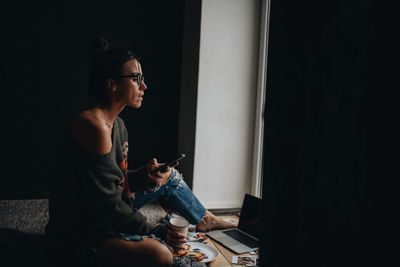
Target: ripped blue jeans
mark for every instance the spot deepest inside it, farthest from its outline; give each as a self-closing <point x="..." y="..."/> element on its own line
<point x="176" y="195"/>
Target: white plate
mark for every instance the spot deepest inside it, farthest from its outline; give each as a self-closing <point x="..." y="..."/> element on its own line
<point x="211" y="253"/>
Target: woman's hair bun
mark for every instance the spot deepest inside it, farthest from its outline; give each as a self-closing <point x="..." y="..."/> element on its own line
<point x="98" y="47"/>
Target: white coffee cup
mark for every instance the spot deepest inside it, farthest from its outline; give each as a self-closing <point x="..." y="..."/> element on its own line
<point x="179" y="224"/>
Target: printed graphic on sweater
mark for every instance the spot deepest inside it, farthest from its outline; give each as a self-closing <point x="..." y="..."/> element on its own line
<point x="124" y="163"/>
<point x="126" y="194"/>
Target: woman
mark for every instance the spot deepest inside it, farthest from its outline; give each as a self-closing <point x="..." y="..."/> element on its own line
<point x="93" y="208"/>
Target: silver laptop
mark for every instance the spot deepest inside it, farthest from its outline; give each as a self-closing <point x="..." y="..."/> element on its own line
<point x="246" y="237"/>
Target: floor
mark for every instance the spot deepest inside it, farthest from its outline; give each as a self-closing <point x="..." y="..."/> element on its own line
<point x="30" y="216"/>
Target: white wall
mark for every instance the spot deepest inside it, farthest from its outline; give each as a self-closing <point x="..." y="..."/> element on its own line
<point x="227" y="84"/>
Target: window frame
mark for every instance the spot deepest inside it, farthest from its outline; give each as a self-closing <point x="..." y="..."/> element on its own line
<point x="257" y="168"/>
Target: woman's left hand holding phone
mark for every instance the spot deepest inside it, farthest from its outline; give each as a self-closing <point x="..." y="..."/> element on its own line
<point x="159" y="177"/>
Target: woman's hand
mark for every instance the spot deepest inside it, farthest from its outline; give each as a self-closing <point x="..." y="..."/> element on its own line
<point x="160" y="178"/>
<point x="175" y="239"/>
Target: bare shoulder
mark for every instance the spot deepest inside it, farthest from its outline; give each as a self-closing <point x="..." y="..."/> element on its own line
<point x="89" y="129"/>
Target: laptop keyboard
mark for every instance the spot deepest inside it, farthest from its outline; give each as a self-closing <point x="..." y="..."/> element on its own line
<point x="248" y="241"/>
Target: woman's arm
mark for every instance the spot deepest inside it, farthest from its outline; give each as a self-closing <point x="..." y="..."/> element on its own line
<point x="101" y="183"/>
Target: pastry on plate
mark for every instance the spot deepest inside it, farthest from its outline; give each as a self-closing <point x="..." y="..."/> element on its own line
<point x="199" y="256"/>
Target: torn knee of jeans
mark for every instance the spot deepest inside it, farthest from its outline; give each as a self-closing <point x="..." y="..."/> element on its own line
<point x="181" y="183"/>
<point x="152" y="187"/>
<point x="176" y="177"/>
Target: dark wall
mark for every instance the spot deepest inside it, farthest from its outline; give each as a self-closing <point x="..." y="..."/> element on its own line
<point x="43" y="64"/>
<point x="327" y="133"/>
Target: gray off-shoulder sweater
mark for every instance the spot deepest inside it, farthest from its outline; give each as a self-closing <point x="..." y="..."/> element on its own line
<point x="91" y="195"/>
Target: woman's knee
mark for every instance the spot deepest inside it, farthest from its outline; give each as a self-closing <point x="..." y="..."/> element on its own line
<point x="148" y="252"/>
<point x="159" y="253"/>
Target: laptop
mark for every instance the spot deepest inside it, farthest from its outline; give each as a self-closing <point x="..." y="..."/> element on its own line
<point x="246" y="236"/>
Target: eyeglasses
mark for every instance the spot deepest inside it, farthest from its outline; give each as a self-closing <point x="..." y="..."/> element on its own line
<point x="136" y="76"/>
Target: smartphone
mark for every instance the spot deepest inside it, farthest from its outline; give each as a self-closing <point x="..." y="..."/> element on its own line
<point x="163" y="167"/>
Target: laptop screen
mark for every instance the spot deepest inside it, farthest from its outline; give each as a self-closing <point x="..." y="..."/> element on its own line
<point x="250" y="217"/>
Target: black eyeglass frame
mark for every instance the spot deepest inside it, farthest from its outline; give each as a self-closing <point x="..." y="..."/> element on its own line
<point x="138" y="78"/>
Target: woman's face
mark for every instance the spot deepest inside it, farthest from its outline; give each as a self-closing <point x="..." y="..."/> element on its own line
<point x="128" y="90"/>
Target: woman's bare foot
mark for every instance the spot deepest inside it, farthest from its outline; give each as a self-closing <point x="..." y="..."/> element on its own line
<point x="212" y="222"/>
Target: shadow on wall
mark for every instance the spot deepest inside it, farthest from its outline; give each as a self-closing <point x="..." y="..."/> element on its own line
<point x="43" y="67"/>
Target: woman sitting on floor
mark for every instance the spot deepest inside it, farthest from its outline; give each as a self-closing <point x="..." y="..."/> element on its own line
<point x="94" y="205"/>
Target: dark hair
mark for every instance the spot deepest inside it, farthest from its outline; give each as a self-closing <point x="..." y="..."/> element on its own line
<point x="107" y="62"/>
